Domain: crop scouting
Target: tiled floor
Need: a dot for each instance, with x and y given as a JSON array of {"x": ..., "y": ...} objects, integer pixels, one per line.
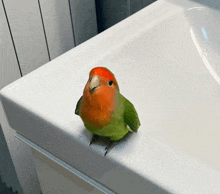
[{"x": 4, "y": 189}]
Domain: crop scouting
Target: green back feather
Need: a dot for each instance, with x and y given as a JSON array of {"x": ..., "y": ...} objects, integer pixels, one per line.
[{"x": 130, "y": 115}]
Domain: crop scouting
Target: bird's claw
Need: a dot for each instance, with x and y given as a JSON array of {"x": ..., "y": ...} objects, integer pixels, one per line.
[
  {"x": 107, "y": 148},
  {"x": 94, "y": 139}
]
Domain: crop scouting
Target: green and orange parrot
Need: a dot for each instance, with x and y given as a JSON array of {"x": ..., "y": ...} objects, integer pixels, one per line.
[{"x": 103, "y": 110}]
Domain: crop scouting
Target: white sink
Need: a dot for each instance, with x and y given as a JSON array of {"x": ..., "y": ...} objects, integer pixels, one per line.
[{"x": 165, "y": 59}]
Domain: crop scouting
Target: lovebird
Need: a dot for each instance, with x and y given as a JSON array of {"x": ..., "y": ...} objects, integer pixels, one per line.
[{"x": 104, "y": 110}]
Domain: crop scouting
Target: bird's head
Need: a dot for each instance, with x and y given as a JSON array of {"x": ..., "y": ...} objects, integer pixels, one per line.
[{"x": 101, "y": 80}]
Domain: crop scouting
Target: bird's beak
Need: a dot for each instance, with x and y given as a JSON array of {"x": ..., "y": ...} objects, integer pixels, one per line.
[{"x": 94, "y": 83}]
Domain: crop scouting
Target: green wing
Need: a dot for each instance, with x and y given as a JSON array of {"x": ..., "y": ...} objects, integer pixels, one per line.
[
  {"x": 77, "y": 106},
  {"x": 131, "y": 116}
]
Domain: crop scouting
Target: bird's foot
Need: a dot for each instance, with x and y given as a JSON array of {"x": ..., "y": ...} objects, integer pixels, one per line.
[
  {"x": 94, "y": 139},
  {"x": 107, "y": 149}
]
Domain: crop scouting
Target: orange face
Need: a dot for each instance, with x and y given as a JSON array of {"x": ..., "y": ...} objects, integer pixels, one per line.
[
  {"x": 101, "y": 81},
  {"x": 99, "y": 95}
]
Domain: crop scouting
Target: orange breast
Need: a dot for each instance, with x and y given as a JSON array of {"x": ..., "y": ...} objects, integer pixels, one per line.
[{"x": 97, "y": 109}]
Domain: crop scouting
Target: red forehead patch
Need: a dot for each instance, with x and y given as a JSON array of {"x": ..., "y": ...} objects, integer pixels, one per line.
[{"x": 102, "y": 72}]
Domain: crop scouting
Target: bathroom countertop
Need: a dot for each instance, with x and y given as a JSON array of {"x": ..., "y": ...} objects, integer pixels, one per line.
[{"x": 157, "y": 58}]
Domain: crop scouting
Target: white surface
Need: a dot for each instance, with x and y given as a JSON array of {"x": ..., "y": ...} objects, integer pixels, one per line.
[
  {"x": 158, "y": 60},
  {"x": 27, "y": 31},
  {"x": 57, "y": 176},
  {"x": 58, "y": 26}
]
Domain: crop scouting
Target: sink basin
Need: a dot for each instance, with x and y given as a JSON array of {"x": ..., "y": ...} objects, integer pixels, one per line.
[{"x": 165, "y": 59}]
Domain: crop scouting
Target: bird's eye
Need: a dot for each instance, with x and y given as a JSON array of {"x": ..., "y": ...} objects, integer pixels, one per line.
[{"x": 110, "y": 83}]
